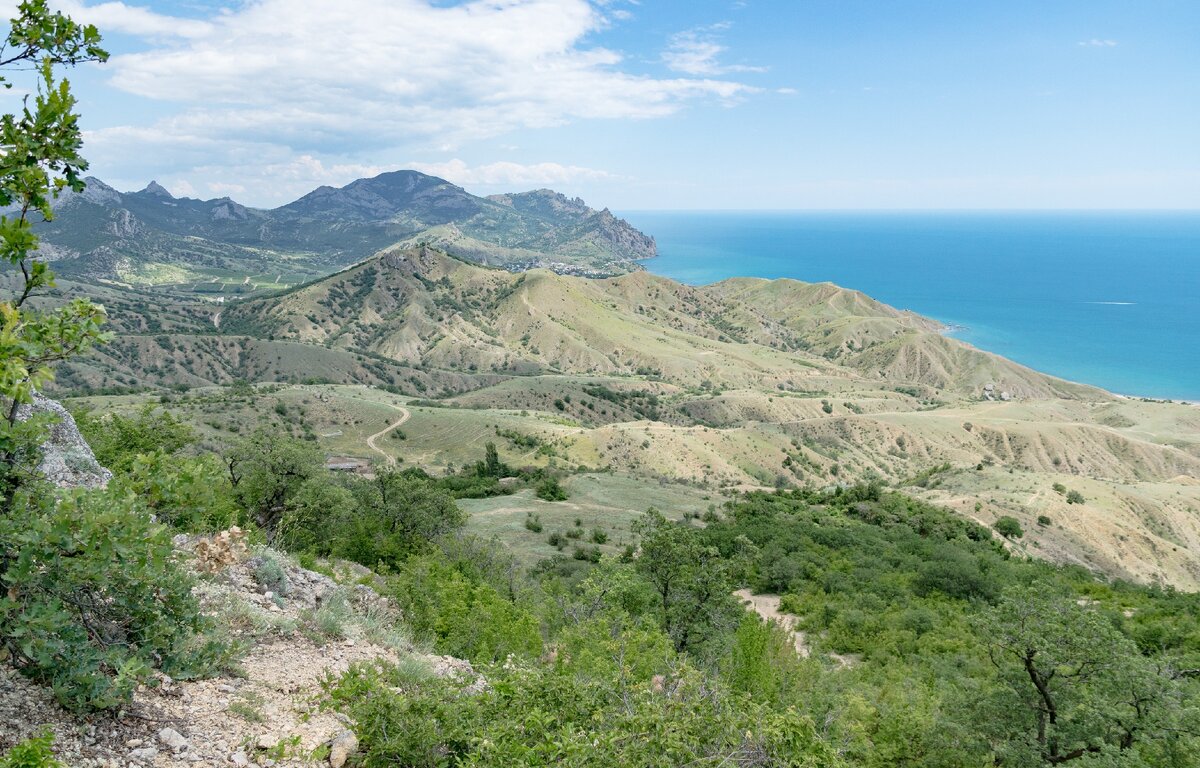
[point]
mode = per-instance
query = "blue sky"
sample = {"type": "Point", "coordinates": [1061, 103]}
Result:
{"type": "Point", "coordinates": [804, 104]}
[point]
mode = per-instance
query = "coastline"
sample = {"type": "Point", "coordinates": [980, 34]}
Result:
{"type": "Point", "coordinates": [1033, 288]}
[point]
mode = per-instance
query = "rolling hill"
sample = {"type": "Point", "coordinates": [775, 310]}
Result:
{"type": "Point", "coordinates": [739, 384]}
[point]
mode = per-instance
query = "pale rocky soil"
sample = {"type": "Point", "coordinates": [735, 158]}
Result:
{"type": "Point", "coordinates": [269, 717]}
{"type": "Point", "coordinates": [767, 606]}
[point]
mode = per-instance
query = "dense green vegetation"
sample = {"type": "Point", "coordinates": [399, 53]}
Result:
{"type": "Point", "coordinates": [931, 645]}
{"type": "Point", "coordinates": [929, 642]}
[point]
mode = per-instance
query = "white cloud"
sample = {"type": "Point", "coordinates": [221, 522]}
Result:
{"type": "Point", "coordinates": [697, 52]}
{"type": "Point", "coordinates": [1097, 43]}
{"type": "Point", "coordinates": [119, 17]}
{"type": "Point", "coordinates": [514, 175]}
{"type": "Point", "coordinates": [319, 71]}
{"type": "Point", "coordinates": [181, 188]}
{"type": "Point", "coordinates": [259, 88]}
{"type": "Point", "coordinates": [787, 91]}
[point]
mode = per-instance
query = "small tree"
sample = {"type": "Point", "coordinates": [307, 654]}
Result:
{"type": "Point", "coordinates": [551, 490]}
{"type": "Point", "coordinates": [39, 158]}
{"type": "Point", "coordinates": [1075, 497]}
{"type": "Point", "coordinates": [691, 580]}
{"type": "Point", "coordinates": [1009, 527]}
{"type": "Point", "coordinates": [1074, 687]}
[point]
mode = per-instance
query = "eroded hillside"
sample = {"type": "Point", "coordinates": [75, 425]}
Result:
{"type": "Point", "coordinates": [745, 383]}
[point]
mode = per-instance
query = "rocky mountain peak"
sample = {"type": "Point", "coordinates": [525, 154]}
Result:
{"type": "Point", "coordinates": [158, 190]}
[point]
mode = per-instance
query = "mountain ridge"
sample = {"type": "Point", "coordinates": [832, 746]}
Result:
{"type": "Point", "coordinates": [219, 247]}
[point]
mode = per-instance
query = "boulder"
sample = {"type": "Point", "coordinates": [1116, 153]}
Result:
{"type": "Point", "coordinates": [341, 748]}
{"type": "Point", "coordinates": [67, 460]}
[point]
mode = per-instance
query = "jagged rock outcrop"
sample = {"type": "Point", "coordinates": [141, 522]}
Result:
{"type": "Point", "coordinates": [67, 459]}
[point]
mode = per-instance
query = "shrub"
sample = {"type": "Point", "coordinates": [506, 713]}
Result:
{"type": "Point", "coordinates": [587, 554]}
{"type": "Point", "coordinates": [546, 716]}
{"type": "Point", "coordinates": [118, 440]}
{"type": "Point", "coordinates": [94, 599]}
{"type": "Point", "coordinates": [551, 490]}
{"type": "Point", "coordinates": [1043, 520]}
{"type": "Point", "coordinates": [1075, 497]}
{"type": "Point", "coordinates": [1008, 527]}
{"type": "Point", "coordinates": [533, 523]}
{"type": "Point", "coordinates": [191, 494]}
{"type": "Point", "coordinates": [35, 752]}
{"type": "Point", "coordinates": [463, 616]}
{"type": "Point", "coordinates": [599, 536]}
{"type": "Point", "coordinates": [271, 576]}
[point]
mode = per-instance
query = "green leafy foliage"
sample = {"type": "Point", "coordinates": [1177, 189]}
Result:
{"type": "Point", "coordinates": [188, 493]}
{"type": "Point", "coordinates": [539, 716]}
{"type": "Point", "coordinates": [1009, 527]}
{"type": "Point", "coordinates": [1073, 686]}
{"type": "Point", "coordinates": [40, 159]}
{"type": "Point", "coordinates": [551, 490]}
{"type": "Point", "coordinates": [452, 604]}
{"type": "Point", "coordinates": [266, 471]}
{"type": "Point", "coordinates": [35, 752]}
{"type": "Point", "coordinates": [118, 440]}
{"type": "Point", "coordinates": [93, 597]}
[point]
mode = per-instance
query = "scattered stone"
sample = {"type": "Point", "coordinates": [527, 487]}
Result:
{"type": "Point", "coordinates": [145, 754]}
{"type": "Point", "coordinates": [341, 748]}
{"type": "Point", "coordinates": [173, 739]}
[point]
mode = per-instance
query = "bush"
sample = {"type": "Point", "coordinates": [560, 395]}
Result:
{"type": "Point", "coordinates": [599, 536]}
{"type": "Point", "coordinates": [94, 599]}
{"type": "Point", "coordinates": [587, 554]}
{"type": "Point", "coordinates": [546, 716]}
{"type": "Point", "coordinates": [1043, 521]}
{"type": "Point", "coordinates": [1075, 497]}
{"type": "Point", "coordinates": [36, 752]}
{"type": "Point", "coordinates": [533, 523]}
{"type": "Point", "coordinates": [271, 576]}
{"type": "Point", "coordinates": [551, 490]}
{"type": "Point", "coordinates": [191, 494]}
{"type": "Point", "coordinates": [118, 440]}
{"type": "Point", "coordinates": [1008, 527]}
{"type": "Point", "coordinates": [463, 616]}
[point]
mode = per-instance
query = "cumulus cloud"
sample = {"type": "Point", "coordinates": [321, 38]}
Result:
{"type": "Point", "coordinates": [698, 52]}
{"type": "Point", "coordinates": [119, 17]}
{"type": "Point", "coordinates": [269, 82]}
{"type": "Point", "coordinates": [514, 175]}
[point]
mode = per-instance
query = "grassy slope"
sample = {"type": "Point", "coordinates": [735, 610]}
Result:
{"type": "Point", "coordinates": [753, 382]}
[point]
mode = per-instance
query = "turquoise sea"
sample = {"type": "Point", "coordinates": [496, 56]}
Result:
{"type": "Point", "coordinates": [1111, 299]}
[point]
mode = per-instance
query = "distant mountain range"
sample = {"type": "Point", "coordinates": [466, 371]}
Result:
{"type": "Point", "coordinates": [220, 247]}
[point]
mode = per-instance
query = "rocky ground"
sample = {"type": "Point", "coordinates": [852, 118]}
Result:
{"type": "Point", "coordinates": [299, 625]}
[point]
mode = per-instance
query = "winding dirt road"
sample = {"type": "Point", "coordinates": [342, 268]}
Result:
{"type": "Point", "coordinates": [371, 440]}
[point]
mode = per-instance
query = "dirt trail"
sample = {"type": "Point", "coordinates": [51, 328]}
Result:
{"type": "Point", "coordinates": [371, 440]}
{"type": "Point", "coordinates": [767, 606]}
